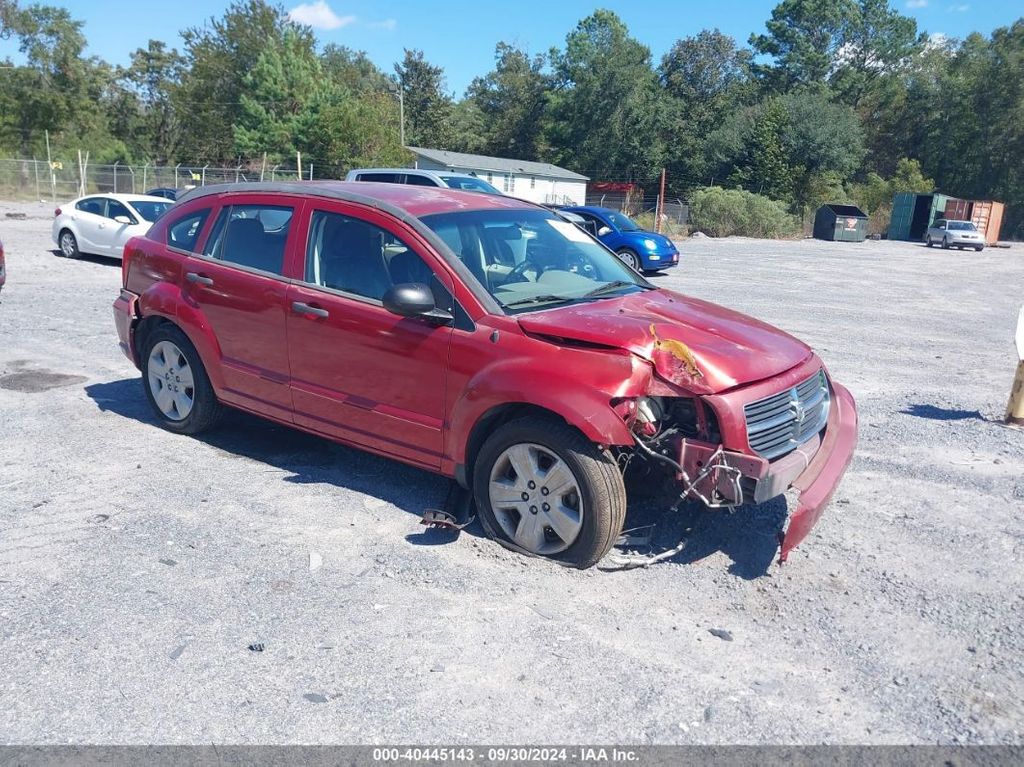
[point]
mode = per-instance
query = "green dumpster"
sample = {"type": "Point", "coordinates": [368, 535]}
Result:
{"type": "Point", "coordinates": [845, 223]}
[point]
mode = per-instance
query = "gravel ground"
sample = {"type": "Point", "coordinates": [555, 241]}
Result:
{"type": "Point", "coordinates": [159, 588]}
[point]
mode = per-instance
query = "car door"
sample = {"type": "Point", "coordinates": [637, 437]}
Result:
{"type": "Point", "coordinates": [117, 233]}
{"type": "Point", "coordinates": [89, 216]}
{"type": "Point", "coordinates": [238, 284]}
{"type": "Point", "coordinates": [358, 372]}
{"type": "Point", "coordinates": [937, 230]}
{"type": "Point", "coordinates": [611, 237]}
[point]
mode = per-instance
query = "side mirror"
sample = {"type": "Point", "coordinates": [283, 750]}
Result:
{"type": "Point", "coordinates": [414, 299]}
{"type": "Point", "coordinates": [602, 231]}
{"type": "Point", "coordinates": [123, 220]}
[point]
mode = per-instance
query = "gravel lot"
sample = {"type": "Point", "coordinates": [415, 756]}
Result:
{"type": "Point", "coordinates": [137, 567]}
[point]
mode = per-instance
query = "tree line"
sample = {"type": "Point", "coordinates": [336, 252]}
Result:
{"type": "Point", "coordinates": [837, 100]}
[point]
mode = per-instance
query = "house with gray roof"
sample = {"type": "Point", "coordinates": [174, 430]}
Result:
{"type": "Point", "coordinates": [534, 181]}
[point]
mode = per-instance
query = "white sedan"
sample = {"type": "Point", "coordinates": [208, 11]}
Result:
{"type": "Point", "coordinates": [101, 224]}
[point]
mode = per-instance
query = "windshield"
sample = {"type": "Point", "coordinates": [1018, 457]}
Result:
{"type": "Point", "coordinates": [532, 259]}
{"type": "Point", "coordinates": [469, 183]}
{"type": "Point", "coordinates": [623, 222]}
{"type": "Point", "coordinates": [966, 226]}
{"type": "Point", "coordinates": [151, 210]}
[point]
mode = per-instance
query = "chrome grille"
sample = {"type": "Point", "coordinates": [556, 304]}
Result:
{"type": "Point", "coordinates": [782, 422]}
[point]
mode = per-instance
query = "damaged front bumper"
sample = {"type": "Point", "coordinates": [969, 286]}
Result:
{"type": "Point", "coordinates": [807, 476]}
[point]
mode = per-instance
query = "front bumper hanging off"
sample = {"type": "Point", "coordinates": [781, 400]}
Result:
{"type": "Point", "coordinates": [808, 476]}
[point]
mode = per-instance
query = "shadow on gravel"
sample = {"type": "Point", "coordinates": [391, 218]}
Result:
{"type": "Point", "coordinates": [942, 414]}
{"type": "Point", "coordinates": [748, 536]}
{"type": "Point", "coordinates": [303, 458]}
{"type": "Point", "coordinates": [101, 260]}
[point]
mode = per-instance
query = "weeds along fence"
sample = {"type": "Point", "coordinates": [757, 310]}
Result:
{"type": "Point", "coordinates": [62, 180]}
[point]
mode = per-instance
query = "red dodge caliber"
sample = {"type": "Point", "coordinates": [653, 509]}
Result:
{"type": "Point", "coordinates": [481, 337]}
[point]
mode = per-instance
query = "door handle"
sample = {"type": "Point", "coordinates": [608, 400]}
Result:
{"type": "Point", "coordinates": [198, 278]}
{"type": "Point", "coordinates": [313, 311]}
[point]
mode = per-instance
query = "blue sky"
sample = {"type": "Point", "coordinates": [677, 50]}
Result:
{"type": "Point", "coordinates": [460, 35]}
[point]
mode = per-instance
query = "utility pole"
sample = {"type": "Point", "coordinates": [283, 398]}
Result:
{"type": "Point", "coordinates": [53, 176]}
{"type": "Point", "coordinates": [397, 90]}
{"type": "Point", "coordinates": [660, 208]}
{"type": "Point", "coordinates": [298, 164]}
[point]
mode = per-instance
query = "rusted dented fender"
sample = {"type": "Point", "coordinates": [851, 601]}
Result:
{"type": "Point", "coordinates": [820, 479]}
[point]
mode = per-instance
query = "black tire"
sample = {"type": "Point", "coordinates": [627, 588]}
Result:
{"type": "Point", "coordinates": [945, 243]}
{"type": "Point", "coordinates": [205, 411]}
{"type": "Point", "coordinates": [928, 242]}
{"type": "Point", "coordinates": [602, 493]}
{"type": "Point", "coordinates": [629, 257]}
{"type": "Point", "coordinates": [68, 244]}
{"type": "Point", "coordinates": [979, 249]}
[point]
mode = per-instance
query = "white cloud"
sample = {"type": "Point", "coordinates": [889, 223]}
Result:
{"type": "Point", "coordinates": [319, 16]}
{"type": "Point", "coordinates": [959, 8]}
{"type": "Point", "coordinates": [388, 24]}
{"type": "Point", "coordinates": [917, 3]}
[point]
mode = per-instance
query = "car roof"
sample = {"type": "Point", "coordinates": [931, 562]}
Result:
{"type": "Point", "coordinates": [590, 209]}
{"type": "Point", "coordinates": [416, 201]}
{"type": "Point", "coordinates": [121, 197]}
{"type": "Point", "coordinates": [392, 170]}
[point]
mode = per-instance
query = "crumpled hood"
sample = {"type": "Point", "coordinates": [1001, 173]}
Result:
{"type": "Point", "coordinates": [691, 343]}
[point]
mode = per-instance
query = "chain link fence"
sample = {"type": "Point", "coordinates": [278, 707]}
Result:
{"type": "Point", "coordinates": [63, 180]}
{"type": "Point", "coordinates": [675, 213]}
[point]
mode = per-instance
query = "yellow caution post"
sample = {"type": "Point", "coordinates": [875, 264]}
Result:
{"type": "Point", "coordinates": [1015, 408]}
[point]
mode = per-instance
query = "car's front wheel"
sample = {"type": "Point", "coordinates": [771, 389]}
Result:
{"type": "Point", "coordinates": [176, 383]}
{"type": "Point", "coordinates": [68, 244]}
{"type": "Point", "coordinates": [542, 488]}
{"type": "Point", "coordinates": [945, 243]}
{"type": "Point", "coordinates": [928, 241]}
{"type": "Point", "coordinates": [629, 258]}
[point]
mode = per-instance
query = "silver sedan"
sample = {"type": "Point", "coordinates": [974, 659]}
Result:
{"type": "Point", "coordinates": [954, 234]}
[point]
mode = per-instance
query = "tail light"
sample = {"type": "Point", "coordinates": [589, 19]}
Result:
{"type": "Point", "coordinates": [56, 213]}
{"type": "Point", "coordinates": [124, 265]}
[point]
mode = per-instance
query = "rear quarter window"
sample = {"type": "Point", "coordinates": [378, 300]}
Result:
{"type": "Point", "coordinates": [184, 233]}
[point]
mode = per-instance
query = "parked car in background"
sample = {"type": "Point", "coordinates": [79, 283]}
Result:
{"type": "Point", "coordinates": [166, 192]}
{"type": "Point", "coordinates": [101, 224]}
{"type": "Point", "coordinates": [954, 234]}
{"type": "Point", "coordinates": [642, 250]}
{"type": "Point", "coordinates": [483, 338]}
{"type": "Point", "coordinates": [417, 177]}
{"type": "Point", "coordinates": [586, 225]}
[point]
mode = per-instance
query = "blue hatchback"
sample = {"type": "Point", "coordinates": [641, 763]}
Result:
{"type": "Point", "coordinates": [642, 250]}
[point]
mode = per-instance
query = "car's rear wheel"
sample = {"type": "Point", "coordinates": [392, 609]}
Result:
{"type": "Point", "coordinates": [68, 244]}
{"type": "Point", "coordinates": [629, 258]}
{"type": "Point", "coordinates": [176, 383]}
{"type": "Point", "coordinates": [542, 488]}
{"type": "Point", "coordinates": [979, 248]}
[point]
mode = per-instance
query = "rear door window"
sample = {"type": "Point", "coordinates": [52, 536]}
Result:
{"type": "Point", "coordinates": [417, 180]}
{"type": "Point", "coordinates": [94, 205]}
{"type": "Point", "coordinates": [251, 235]}
{"type": "Point", "coordinates": [384, 178]}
